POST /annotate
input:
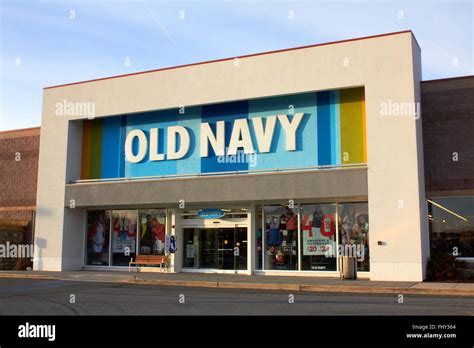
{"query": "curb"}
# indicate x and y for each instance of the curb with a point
(200, 284)
(258, 286)
(254, 286)
(27, 276)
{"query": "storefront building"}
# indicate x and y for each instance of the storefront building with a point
(274, 163)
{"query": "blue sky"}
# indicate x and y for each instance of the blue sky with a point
(54, 45)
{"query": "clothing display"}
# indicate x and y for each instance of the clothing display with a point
(317, 218)
(274, 237)
(131, 230)
(98, 238)
(348, 222)
(116, 228)
(281, 239)
(283, 222)
(158, 246)
(159, 232)
(291, 223)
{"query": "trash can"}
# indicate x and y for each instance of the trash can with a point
(348, 267)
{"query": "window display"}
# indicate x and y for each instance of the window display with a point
(124, 236)
(259, 237)
(281, 237)
(451, 225)
(152, 232)
(318, 234)
(98, 228)
(354, 231)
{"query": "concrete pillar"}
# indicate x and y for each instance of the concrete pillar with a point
(177, 231)
(251, 240)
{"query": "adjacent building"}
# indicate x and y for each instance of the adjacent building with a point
(19, 150)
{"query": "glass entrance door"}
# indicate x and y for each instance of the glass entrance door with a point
(215, 248)
(232, 248)
(208, 247)
(225, 248)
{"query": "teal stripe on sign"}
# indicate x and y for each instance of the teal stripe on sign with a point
(121, 156)
(110, 147)
(128, 127)
(324, 127)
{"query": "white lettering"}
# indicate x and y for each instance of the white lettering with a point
(240, 137)
(264, 136)
(142, 145)
(217, 141)
(155, 154)
(290, 129)
(178, 139)
(171, 152)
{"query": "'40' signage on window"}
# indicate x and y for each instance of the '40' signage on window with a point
(179, 139)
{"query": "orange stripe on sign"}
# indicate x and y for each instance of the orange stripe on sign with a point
(86, 149)
(364, 126)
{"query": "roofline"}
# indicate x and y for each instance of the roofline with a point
(231, 58)
(449, 78)
(20, 130)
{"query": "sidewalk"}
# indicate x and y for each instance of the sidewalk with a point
(226, 281)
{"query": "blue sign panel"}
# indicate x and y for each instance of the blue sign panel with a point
(211, 213)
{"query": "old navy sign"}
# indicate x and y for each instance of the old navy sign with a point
(240, 138)
(291, 131)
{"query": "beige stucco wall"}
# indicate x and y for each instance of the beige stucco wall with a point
(388, 67)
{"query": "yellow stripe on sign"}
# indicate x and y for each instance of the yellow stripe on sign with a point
(352, 110)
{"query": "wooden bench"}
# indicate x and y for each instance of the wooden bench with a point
(149, 260)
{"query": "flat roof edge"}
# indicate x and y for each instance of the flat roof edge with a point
(449, 78)
(19, 130)
(240, 57)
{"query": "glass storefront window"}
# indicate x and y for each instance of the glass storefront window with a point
(98, 227)
(119, 229)
(124, 236)
(126, 232)
(190, 248)
(451, 222)
(152, 232)
(259, 238)
(318, 237)
(281, 237)
(354, 232)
